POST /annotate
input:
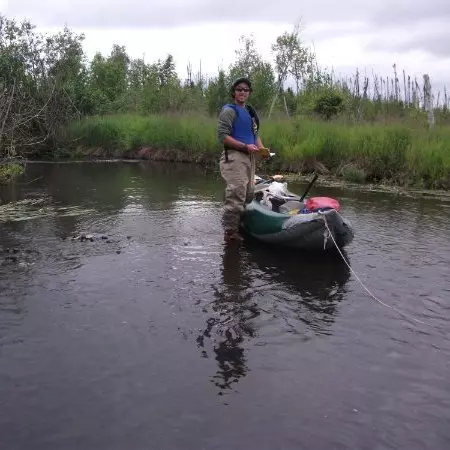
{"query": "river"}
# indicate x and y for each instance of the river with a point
(154, 335)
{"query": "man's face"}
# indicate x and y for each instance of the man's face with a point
(241, 92)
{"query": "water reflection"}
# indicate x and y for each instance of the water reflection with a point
(305, 290)
(231, 322)
(304, 286)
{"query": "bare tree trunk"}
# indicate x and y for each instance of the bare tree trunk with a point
(200, 78)
(285, 106)
(395, 87)
(365, 88)
(428, 102)
(274, 100)
(26, 122)
(418, 96)
(376, 87)
(357, 92)
(409, 90)
(404, 87)
(361, 100)
(6, 113)
(189, 74)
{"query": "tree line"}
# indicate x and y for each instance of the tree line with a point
(46, 81)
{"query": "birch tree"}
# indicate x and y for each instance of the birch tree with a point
(291, 58)
(249, 63)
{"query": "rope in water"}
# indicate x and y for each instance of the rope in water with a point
(362, 284)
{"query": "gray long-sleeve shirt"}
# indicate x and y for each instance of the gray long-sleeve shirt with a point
(225, 123)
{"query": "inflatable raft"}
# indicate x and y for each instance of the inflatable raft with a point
(277, 216)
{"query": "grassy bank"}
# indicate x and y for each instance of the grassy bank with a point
(397, 153)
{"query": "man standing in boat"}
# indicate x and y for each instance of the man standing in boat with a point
(238, 131)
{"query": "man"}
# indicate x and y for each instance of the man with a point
(238, 131)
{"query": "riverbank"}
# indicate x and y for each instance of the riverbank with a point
(331, 181)
(399, 153)
(394, 154)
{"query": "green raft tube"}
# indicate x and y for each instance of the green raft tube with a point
(277, 216)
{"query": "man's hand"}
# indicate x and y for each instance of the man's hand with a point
(252, 148)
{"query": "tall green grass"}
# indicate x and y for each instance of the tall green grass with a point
(122, 133)
(397, 153)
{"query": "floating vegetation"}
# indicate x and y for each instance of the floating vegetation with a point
(32, 209)
(9, 172)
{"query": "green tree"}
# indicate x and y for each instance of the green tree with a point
(247, 59)
(249, 63)
(292, 58)
(42, 80)
(138, 73)
(167, 71)
(263, 81)
(108, 76)
(217, 93)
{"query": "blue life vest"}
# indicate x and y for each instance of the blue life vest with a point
(245, 126)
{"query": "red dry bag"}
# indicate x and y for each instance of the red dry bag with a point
(315, 203)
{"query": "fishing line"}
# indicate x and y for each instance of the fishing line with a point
(407, 316)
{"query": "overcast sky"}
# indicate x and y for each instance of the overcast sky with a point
(346, 34)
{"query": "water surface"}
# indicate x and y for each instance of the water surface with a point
(156, 335)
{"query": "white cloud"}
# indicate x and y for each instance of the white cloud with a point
(346, 34)
(167, 13)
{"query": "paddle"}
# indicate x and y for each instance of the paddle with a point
(309, 187)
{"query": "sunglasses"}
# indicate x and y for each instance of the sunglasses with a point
(242, 90)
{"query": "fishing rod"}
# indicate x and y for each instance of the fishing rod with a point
(309, 187)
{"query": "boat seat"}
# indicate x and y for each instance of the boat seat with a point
(291, 205)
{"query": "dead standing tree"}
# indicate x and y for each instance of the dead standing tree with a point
(428, 100)
(27, 122)
(6, 100)
(446, 100)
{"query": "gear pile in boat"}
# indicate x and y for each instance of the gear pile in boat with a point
(281, 217)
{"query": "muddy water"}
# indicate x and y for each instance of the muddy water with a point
(152, 334)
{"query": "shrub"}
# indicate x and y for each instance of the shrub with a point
(329, 104)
